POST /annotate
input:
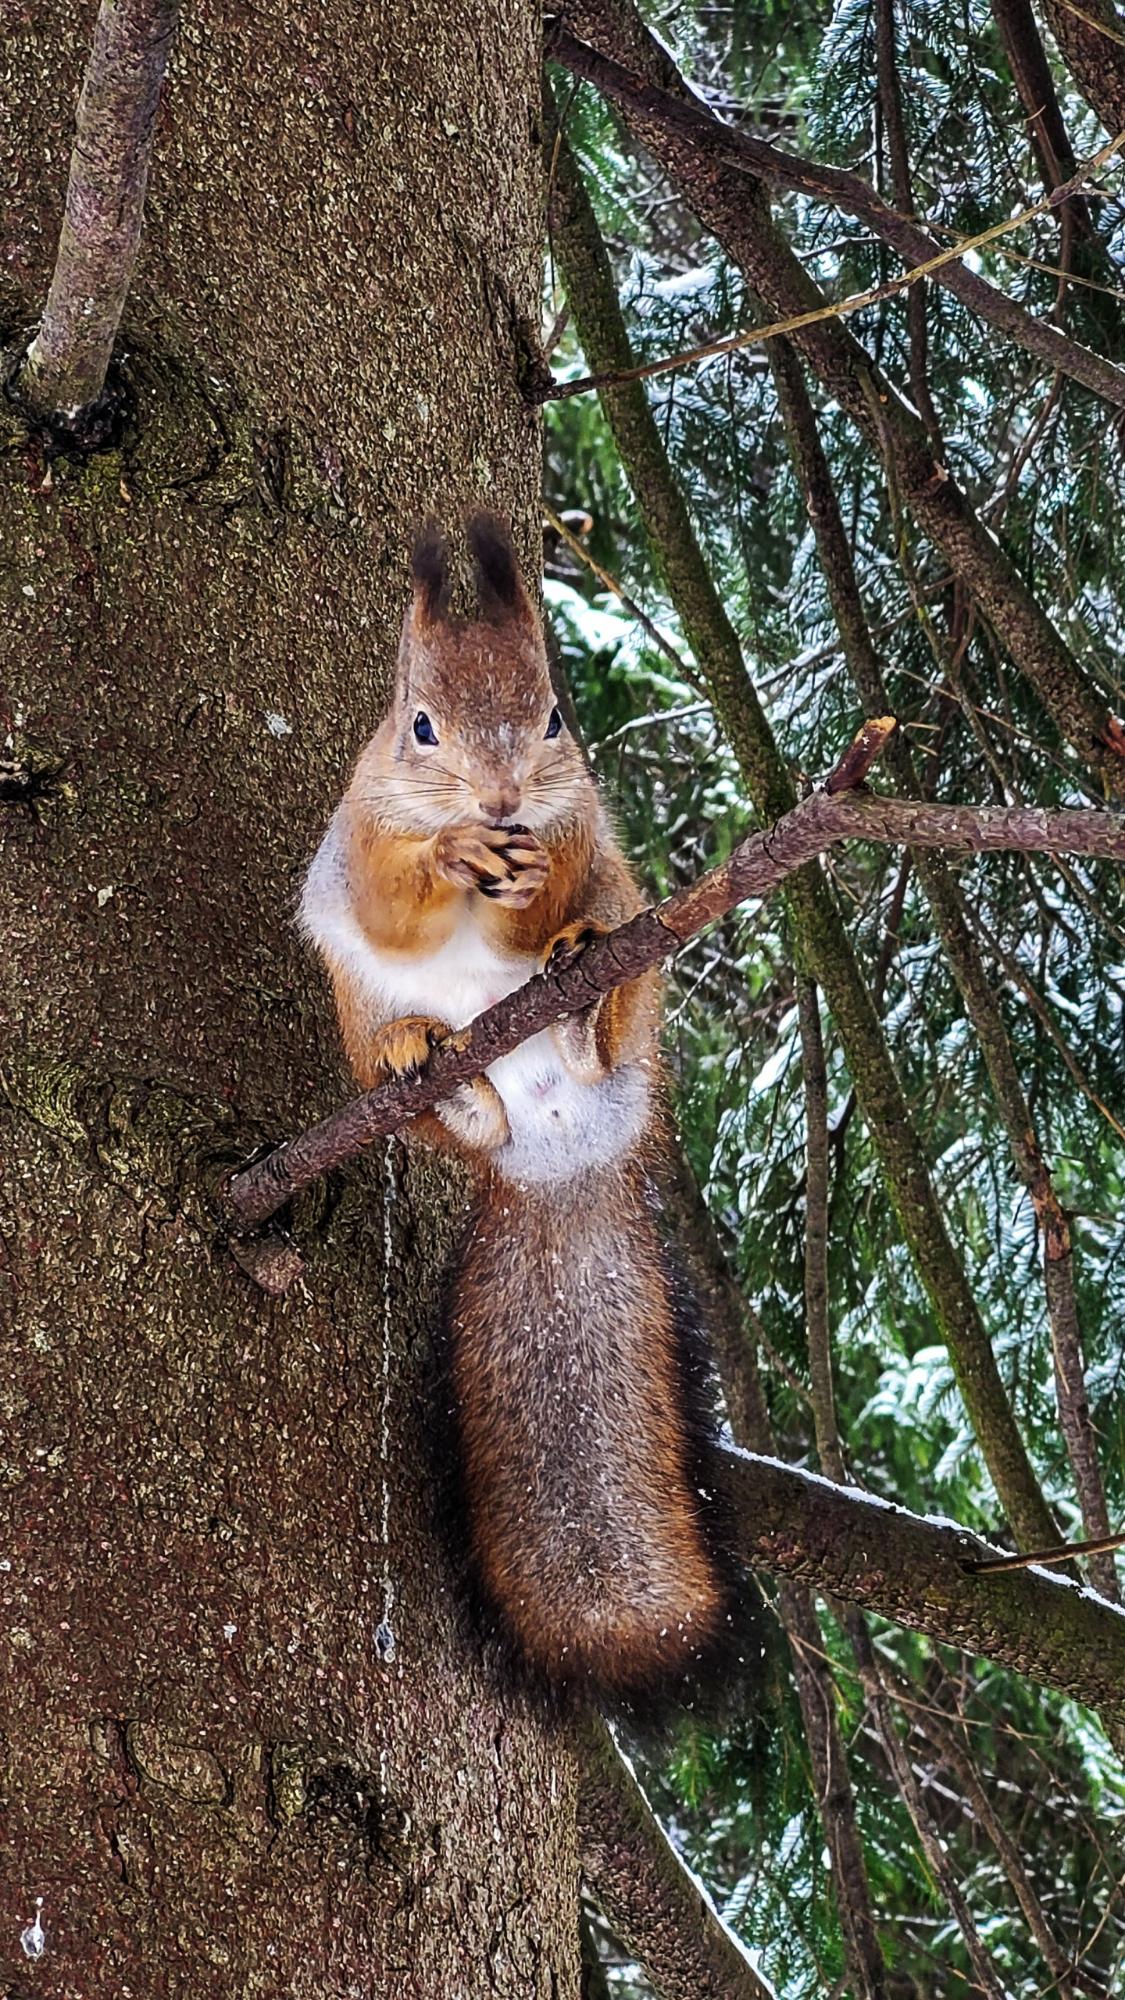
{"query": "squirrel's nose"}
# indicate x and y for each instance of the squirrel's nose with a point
(502, 802)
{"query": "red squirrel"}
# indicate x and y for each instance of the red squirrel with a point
(470, 850)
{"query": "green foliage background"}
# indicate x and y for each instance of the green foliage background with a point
(1042, 463)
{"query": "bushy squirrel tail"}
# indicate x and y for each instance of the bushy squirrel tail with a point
(580, 1413)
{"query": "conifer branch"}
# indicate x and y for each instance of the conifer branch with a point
(63, 376)
(975, 982)
(647, 1894)
(821, 941)
(855, 196)
(732, 205)
(944, 1727)
(1031, 74)
(831, 1457)
(923, 1574)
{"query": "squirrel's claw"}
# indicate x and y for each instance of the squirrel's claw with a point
(571, 941)
(402, 1046)
(506, 864)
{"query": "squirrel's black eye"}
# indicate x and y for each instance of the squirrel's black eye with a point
(423, 728)
(554, 725)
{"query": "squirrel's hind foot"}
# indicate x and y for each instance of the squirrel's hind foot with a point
(473, 1113)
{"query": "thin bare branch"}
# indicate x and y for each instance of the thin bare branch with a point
(730, 1324)
(64, 373)
(869, 1666)
(894, 126)
(1062, 1552)
(831, 1459)
(756, 867)
(1031, 73)
(618, 590)
(943, 1729)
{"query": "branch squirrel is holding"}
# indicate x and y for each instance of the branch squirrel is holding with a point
(470, 850)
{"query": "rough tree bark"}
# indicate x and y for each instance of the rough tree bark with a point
(1091, 40)
(249, 1749)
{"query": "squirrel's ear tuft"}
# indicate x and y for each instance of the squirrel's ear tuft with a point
(500, 591)
(429, 564)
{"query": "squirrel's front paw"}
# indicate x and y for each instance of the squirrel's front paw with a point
(403, 1046)
(505, 863)
(571, 941)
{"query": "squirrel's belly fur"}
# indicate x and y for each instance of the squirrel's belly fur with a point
(591, 1541)
(559, 1125)
(591, 1538)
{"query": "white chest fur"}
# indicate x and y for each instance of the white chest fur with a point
(559, 1125)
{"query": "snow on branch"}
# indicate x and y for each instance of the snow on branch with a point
(63, 376)
(838, 811)
(930, 1575)
(644, 1888)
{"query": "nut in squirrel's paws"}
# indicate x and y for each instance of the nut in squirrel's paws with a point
(403, 1046)
(571, 942)
(506, 863)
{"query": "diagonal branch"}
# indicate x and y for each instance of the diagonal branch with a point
(1031, 73)
(921, 1573)
(647, 1893)
(756, 868)
(855, 196)
(63, 376)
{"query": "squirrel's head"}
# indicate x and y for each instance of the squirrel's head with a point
(474, 730)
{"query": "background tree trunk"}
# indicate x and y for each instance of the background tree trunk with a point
(251, 1751)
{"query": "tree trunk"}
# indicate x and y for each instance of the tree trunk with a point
(252, 1747)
